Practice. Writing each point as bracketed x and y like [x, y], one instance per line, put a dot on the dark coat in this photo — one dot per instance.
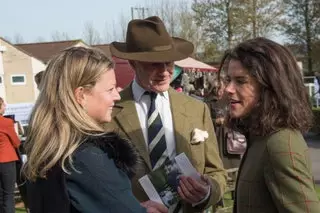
[99, 184]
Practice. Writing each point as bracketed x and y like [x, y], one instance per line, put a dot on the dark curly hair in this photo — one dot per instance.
[284, 102]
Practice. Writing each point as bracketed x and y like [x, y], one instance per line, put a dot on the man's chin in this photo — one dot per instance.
[161, 88]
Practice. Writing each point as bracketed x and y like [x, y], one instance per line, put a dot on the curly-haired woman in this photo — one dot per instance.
[269, 104]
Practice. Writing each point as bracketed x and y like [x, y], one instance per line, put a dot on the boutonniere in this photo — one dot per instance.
[199, 136]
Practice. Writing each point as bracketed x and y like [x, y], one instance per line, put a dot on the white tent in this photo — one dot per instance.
[190, 64]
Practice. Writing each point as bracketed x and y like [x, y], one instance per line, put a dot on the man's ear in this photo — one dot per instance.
[80, 96]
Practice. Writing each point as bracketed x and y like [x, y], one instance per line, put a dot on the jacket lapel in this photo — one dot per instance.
[180, 121]
[126, 116]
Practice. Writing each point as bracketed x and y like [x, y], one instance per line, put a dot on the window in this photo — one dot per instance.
[18, 79]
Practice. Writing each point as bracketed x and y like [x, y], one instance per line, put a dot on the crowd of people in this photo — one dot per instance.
[88, 145]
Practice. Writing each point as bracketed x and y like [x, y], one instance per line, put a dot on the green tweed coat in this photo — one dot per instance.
[187, 114]
[275, 176]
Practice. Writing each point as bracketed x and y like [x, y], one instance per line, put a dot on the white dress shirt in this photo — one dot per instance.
[142, 103]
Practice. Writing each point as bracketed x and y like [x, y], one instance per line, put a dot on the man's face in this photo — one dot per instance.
[154, 77]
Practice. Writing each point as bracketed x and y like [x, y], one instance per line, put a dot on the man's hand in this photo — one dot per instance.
[154, 207]
[192, 190]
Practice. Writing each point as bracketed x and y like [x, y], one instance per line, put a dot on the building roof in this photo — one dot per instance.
[45, 50]
[18, 48]
[104, 47]
[124, 72]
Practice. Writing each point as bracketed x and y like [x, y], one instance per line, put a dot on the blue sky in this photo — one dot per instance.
[37, 18]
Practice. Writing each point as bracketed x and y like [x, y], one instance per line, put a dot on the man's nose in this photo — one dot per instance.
[162, 67]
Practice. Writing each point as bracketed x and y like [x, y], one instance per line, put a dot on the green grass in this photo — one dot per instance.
[20, 210]
[227, 200]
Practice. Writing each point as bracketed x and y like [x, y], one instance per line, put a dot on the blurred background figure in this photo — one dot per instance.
[37, 78]
[119, 89]
[9, 142]
[218, 105]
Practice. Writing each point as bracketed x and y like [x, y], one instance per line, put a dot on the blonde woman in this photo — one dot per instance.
[73, 166]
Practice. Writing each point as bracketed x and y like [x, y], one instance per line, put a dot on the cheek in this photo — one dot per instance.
[108, 101]
[250, 99]
[145, 78]
[250, 103]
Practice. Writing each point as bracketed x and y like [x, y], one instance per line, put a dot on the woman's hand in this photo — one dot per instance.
[154, 207]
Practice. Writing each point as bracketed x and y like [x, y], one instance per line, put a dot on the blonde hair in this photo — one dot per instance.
[58, 123]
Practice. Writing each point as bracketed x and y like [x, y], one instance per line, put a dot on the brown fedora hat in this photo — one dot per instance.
[148, 40]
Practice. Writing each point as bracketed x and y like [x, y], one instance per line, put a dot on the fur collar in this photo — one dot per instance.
[120, 150]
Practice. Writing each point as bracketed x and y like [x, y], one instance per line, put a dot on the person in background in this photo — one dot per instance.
[219, 110]
[119, 89]
[37, 78]
[9, 142]
[73, 164]
[159, 121]
[268, 103]
[179, 89]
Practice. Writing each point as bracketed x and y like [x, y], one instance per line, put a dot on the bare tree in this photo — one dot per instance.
[219, 21]
[107, 36]
[123, 22]
[40, 39]
[261, 17]
[18, 39]
[90, 34]
[117, 30]
[168, 11]
[228, 22]
[188, 28]
[59, 36]
[114, 33]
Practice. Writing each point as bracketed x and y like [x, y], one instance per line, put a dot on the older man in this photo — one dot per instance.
[160, 121]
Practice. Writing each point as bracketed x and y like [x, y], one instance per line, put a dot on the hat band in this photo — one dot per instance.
[162, 48]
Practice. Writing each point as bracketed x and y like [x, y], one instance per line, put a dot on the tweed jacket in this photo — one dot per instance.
[187, 114]
[275, 176]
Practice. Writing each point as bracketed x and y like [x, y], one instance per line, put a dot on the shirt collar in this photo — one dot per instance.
[138, 92]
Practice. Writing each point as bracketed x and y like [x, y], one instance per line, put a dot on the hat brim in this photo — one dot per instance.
[181, 49]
